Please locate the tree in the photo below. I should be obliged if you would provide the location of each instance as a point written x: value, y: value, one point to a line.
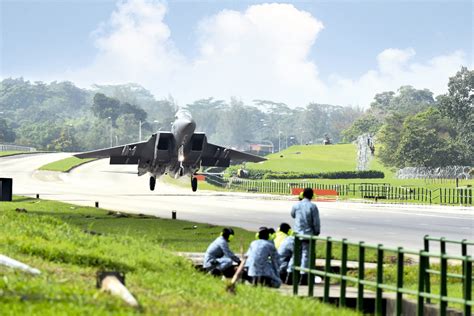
x: 105, y: 107
x: 366, y: 124
x: 206, y: 113
x: 427, y: 140
x: 136, y: 111
x: 65, y: 142
x: 7, y: 135
x: 389, y: 138
x: 458, y: 105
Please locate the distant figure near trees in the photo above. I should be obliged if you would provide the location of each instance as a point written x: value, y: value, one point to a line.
x: 327, y: 140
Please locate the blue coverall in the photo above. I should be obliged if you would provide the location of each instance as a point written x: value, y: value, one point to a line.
x: 262, y: 261
x: 286, y: 254
x: 219, y: 256
x: 306, y: 215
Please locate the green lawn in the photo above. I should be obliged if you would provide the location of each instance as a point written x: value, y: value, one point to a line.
x: 57, y: 239
x: 65, y: 165
x: 174, y: 235
x: 311, y: 158
x: 321, y: 158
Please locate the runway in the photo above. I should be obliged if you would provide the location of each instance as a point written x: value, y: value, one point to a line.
x: 119, y: 188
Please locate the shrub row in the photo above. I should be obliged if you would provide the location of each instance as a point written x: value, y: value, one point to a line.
x: 258, y: 174
x: 368, y: 174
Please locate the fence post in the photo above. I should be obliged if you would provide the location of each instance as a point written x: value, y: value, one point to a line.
x: 400, y: 263
x: 426, y: 242
x: 467, y: 284
x: 421, y: 280
x: 463, y: 253
x: 443, y: 305
x: 297, y: 263
x: 342, y: 299
x: 311, y: 256
x: 360, y: 286
x: 378, y: 290
x: 327, y: 269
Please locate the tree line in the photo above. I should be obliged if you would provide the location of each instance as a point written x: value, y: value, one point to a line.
x: 412, y: 127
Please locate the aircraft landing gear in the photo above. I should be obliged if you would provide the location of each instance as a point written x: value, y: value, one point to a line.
x: 194, y: 184
x: 152, y: 183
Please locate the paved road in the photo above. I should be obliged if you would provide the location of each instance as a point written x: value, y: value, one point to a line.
x: 118, y: 187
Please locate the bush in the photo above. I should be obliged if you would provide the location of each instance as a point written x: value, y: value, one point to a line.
x: 369, y: 174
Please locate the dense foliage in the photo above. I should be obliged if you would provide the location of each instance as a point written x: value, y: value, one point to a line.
x: 60, y: 116
x: 412, y: 128
x: 415, y: 130
x: 256, y: 174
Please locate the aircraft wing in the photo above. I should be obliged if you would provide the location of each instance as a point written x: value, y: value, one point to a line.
x: 219, y: 156
x: 128, y: 154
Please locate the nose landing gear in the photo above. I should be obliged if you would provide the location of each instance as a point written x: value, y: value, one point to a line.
x: 152, y: 183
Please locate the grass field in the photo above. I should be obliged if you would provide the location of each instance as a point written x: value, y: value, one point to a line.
x: 311, y: 158
x: 13, y: 153
x: 321, y: 158
x: 49, y: 237
x: 65, y: 165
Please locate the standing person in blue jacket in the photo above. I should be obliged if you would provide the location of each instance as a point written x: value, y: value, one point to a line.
x: 262, y: 260
x: 306, y: 215
x: 219, y: 258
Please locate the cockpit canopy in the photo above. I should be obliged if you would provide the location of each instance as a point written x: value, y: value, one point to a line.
x: 183, y: 114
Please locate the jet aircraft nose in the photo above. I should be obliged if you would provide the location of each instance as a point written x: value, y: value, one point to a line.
x: 183, y: 129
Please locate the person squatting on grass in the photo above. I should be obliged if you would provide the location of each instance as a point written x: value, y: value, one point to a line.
x: 263, y: 261
x: 219, y: 258
x: 285, y: 242
x: 306, y: 215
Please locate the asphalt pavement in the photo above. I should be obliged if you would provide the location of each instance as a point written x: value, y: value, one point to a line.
x: 119, y: 188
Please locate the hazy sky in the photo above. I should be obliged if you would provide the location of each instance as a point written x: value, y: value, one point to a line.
x: 339, y: 52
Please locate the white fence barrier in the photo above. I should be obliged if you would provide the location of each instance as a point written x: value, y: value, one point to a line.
x: 16, y: 148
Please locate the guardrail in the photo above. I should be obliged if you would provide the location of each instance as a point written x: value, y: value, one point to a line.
x: 4, y: 147
x: 423, y: 272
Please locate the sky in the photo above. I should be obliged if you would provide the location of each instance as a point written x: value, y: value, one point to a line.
x: 297, y: 52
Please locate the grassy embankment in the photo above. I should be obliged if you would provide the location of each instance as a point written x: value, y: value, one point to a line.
x: 14, y: 153
x: 65, y: 165
x: 320, y: 158
x: 57, y: 239
x: 70, y: 243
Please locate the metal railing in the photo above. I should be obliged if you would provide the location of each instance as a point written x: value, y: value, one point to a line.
x: 422, y: 293
x: 4, y: 147
x: 377, y: 191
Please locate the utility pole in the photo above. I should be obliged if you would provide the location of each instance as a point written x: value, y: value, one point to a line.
x: 111, y: 136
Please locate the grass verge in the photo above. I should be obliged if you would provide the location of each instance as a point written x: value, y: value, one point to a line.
x: 14, y: 153
x: 175, y: 235
x: 65, y: 165
x: 69, y: 257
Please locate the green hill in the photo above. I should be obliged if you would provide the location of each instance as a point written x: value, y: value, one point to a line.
x: 315, y: 158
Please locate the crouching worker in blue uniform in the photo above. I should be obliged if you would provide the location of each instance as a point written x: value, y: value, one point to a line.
x: 219, y: 258
x: 262, y: 261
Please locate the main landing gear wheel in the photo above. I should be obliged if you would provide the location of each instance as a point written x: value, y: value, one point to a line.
x: 181, y: 171
x: 194, y: 184
x: 152, y: 183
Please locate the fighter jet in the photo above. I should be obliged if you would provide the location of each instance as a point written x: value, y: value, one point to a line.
x: 176, y: 153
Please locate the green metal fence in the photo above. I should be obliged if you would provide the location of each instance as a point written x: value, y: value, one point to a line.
x: 377, y: 191
x: 423, y: 293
